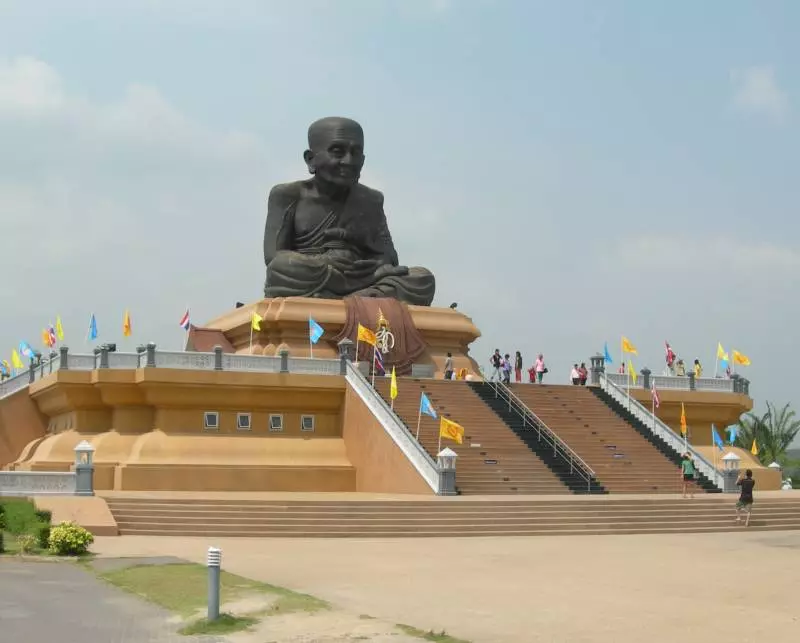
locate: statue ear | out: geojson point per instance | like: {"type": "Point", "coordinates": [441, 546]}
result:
{"type": "Point", "coordinates": [308, 157]}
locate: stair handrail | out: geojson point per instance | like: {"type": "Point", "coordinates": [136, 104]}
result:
{"type": "Point", "coordinates": [576, 463]}
{"type": "Point", "coordinates": [420, 459]}
{"type": "Point", "coordinates": [660, 429]}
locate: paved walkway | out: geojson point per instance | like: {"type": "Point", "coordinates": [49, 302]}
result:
{"type": "Point", "coordinates": [63, 603]}
{"type": "Point", "coordinates": [738, 586]}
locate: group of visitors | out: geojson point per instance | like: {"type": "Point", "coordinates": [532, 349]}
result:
{"type": "Point", "coordinates": [502, 365]}
{"type": "Point", "coordinates": [579, 374]}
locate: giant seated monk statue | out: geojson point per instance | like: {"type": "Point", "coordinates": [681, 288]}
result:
{"type": "Point", "coordinates": [327, 236]}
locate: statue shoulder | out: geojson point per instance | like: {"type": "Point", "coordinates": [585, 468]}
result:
{"type": "Point", "coordinates": [370, 195]}
{"type": "Point", "coordinates": [285, 193]}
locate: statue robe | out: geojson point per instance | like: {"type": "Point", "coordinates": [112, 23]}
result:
{"type": "Point", "coordinates": [306, 263]}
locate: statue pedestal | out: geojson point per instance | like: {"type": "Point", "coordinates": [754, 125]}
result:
{"type": "Point", "coordinates": [285, 326]}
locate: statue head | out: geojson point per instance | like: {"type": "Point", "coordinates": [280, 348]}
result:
{"type": "Point", "coordinates": [335, 151]}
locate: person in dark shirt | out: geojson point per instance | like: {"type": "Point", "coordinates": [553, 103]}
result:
{"type": "Point", "coordinates": [745, 502]}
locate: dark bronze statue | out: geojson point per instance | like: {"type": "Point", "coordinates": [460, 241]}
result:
{"type": "Point", "coordinates": [327, 236]}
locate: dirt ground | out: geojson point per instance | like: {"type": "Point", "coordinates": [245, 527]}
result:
{"type": "Point", "coordinates": [739, 586]}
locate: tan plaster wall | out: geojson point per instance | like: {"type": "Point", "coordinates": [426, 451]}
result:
{"type": "Point", "coordinates": [380, 465]}
{"type": "Point", "coordinates": [21, 422]}
{"type": "Point", "coordinates": [90, 512]}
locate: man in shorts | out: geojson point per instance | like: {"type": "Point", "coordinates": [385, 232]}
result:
{"type": "Point", "coordinates": [745, 502]}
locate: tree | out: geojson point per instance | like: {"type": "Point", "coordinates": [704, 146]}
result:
{"type": "Point", "coordinates": [773, 432]}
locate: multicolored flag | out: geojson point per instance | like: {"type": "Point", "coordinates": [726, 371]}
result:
{"type": "Point", "coordinates": [669, 353]}
{"type": "Point", "coordinates": [51, 332]}
{"type": "Point", "coordinates": [656, 398]}
{"type": "Point", "coordinates": [25, 350]}
{"type": "Point", "coordinates": [378, 360]}
{"type": "Point", "coordinates": [185, 322]}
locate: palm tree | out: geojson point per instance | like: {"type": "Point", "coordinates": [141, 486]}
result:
{"type": "Point", "coordinates": [773, 432]}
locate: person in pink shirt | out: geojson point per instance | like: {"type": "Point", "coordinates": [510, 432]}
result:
{"type": "Point", "coordinates": [540, 368]}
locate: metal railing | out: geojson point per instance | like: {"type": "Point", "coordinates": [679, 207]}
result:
{"type": "Point", "coordinates": [420, 459]}
{"type": "Point", "coordinates": [659, 428]}
{"type": "Point", "coordinates": [544, 433]}
{"type": "Point", "coordinates": [674, 382]}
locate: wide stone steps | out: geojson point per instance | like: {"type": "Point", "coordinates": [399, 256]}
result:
{"type": "Point", "coordinates": [438, 518]}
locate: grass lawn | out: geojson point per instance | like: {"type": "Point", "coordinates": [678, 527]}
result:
{"type": "Point", "coordinates": [440, 637]}
{"type": "Point", "coordinates": [20, 519]}
{"type": "Point", "coordinates": [183, 588]}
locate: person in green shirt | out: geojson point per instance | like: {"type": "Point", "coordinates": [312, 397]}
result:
{"type": "Point", "coordinates": [689, 472]}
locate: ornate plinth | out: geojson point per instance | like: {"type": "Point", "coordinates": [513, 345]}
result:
{"type": "Point", "coordinates": [284, 325]}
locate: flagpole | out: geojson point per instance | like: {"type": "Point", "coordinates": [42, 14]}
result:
{"type": "Point", "coordinates": [438, 450]}
{"type": "Point", "coordinates": [374, 348]}
{"type": "Point", "coordinates": [419, 419]}
{"type": "Point", "coordinates": [357, 340]}
{"type": "Point", "coordinates": [310, 345]}
{"type": "Point", "coordinates": [251, 334]}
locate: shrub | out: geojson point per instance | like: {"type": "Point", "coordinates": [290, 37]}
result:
{"type": "Point", "coordinates": [2, 543]}
{"type": "Point", "coordinates": [69, 539]}
{"type": "Point", "coordinates": [2, 517]}
{"type": "Point", "coordinates": [44, 515]}
{"type": "Point", "coordinates": [26, 543]}
{"type": "Point", "coordinates": [43, 536]}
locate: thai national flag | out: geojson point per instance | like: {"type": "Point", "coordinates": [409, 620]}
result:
{"type": "Point", "coordinates": [379, 361]}
{"type": "Point", "coordinates": [52, 334]}
{"type": "Point", "coordinates": [185, 323]}
{"type": "Point", "coordinates": [669, 353]}
{"type": "Point", "coordinates": [656, 397]}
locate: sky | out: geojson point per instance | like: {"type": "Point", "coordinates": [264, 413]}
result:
{"type": "Point", "coordinates": [571, 172]}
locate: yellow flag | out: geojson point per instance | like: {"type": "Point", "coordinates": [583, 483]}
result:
{"type": "Point", "coordinates": [632, 371]}
{"type": "Point", "coordinates": [46, 338]}
{"type": "Point", "coordinates": [721, 354]}
{"type": "Point", "coordinates": [683, 420]}
{"type": "Point", "coordinates": [740, 359]}
{"type": "Point", "coordinates": [627, 347]}
{"type": "Point", "coordinates": [451, 430]}
{"type": "Point", "coordinates": [754, 448]}
{"type": "Point", "coordinates": [366, 335]}
{"type": "Point", "coordinates": [126, 325]}
{"type": "Point", "coordinates": [16, 362]}
{"type": "Point", "coordinates": [393, 386]}
{"type": "Point", "coordinates": [59, 328]}
{"type": "Point", "coordinates": [255, 322]}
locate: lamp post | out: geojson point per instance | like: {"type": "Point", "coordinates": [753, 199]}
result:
{"type": "Point", "coordinates": [84, 469]}
{"type": "Point", "coordinates": [214, 563]}
{"type": "Point", "coordinates": [446, 459]}
{"type": "Point", "coordinates": [730, 472]}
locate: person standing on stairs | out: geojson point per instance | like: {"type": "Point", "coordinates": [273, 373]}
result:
{"type": "Point", "coordinates": [496, 361]}
{"type": "Point", "coordinates": [540, 368]}
{"type": "Point", "coordinates": [745, 502]}
{"type": "Point", "coordinates": [583, 373]}
{"type": "Point", "coordinates": [688, 472]}
{"type": "Point", "coordinates": [574, 375]}
{"type": "Point", "coordinates": [518, 367]}
{"type": "Point", "coordinates": [507, 369]}
{"type": "Point", "coordinates": [698, 369]}
{"type": "Point", "coordinates": [448, 367]}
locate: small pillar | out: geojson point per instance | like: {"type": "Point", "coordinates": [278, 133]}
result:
{"type": "Point", "coordinates": [692, 383]}
{"type": "Point", "coordinates": [64, 363]}
{"type": "Point", "coordinates": [217, 357]}
{"type": "Point", "coordinates": [31, 372]}
{"type": "Point", "coordinates": [151, 355]}
{"type": "Point", "coordinates": [50, 358]}
{"type": "Point", "coordinates": [347, 349]}
{"type": "Point", "coordinates": [84, 469]}
{"type": "Point", "coordinates": [646, 373]}
{"type": "Point", "coordinates": [598, 366]}
{"type": "Point", "coordinates": [730, 472]}
{"type": "Point", "coordinates": [104, 356]}
{"type": "Point", "coordinates": [737, 385]}
{"type": "Point", "coordinates": [284, 360]}
{"type": "Point", "coordinates": [744, 386]}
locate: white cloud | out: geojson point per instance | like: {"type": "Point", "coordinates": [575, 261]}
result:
{"type": "Point", "coordinates": [756, 90]}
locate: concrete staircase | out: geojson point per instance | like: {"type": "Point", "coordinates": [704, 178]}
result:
{"type": "Point", "coordinates": [492, 459]}
{"type": "Point", "coordinates": [453, 517]}
{"type": "Point", "coordinates": [624, 459]}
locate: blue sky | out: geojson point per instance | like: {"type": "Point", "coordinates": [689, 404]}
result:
{"type": "Point", "coordinates": [570, 171]}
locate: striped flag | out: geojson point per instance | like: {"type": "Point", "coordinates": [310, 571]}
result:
{"type": "Point", "coordinates": [670, 354]}
{"type": "Point", "coordinates": [378, 360]}
{"type": "Point", "coordinates": [185, 322]}
{"type": "Point", "coordinates": [656, 399]}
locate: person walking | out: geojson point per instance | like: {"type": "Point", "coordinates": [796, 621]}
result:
{"type": "Point", "coordinates": [507, 369]}
{"type": "Point", "coordinates": [518, 367]}
{"type": "Point", "coordinates": [574, 375]}
{"type": "Point", "coordinates": [688, 472]}
{"type": "Point", "coordinates": [745, 502]}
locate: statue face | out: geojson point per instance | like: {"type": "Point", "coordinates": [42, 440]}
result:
{"type": "Point", "coordinates": [337, 158]}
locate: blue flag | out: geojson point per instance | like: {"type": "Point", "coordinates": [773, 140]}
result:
{"type": "Point", "coordinates": [25, 350]}
{"type": "Point", "coordinates": [315, 331]}
{"type": "Point", "coordinates": [717, 439]}
{"type": "Point", "coordinates": [733, 431]}
{"type": "Point", "coordinates": [92, 328]}
{"type": "Point", "coordinates": [426, 407]}
{"type": "Point", "coordinates": [606, 354]}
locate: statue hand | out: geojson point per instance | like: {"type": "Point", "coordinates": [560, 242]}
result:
{"type": "Point", "coordinates": [335, 233]}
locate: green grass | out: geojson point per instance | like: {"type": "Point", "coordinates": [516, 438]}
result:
{"type": "Point", "coordinates": [183, 588]}
{"type": "Point", "coordinates": [20, 520]}
{"type": "Point", "coordinates": [430, 635]}
{"type": "Point", "coordinates": [225, 624]}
